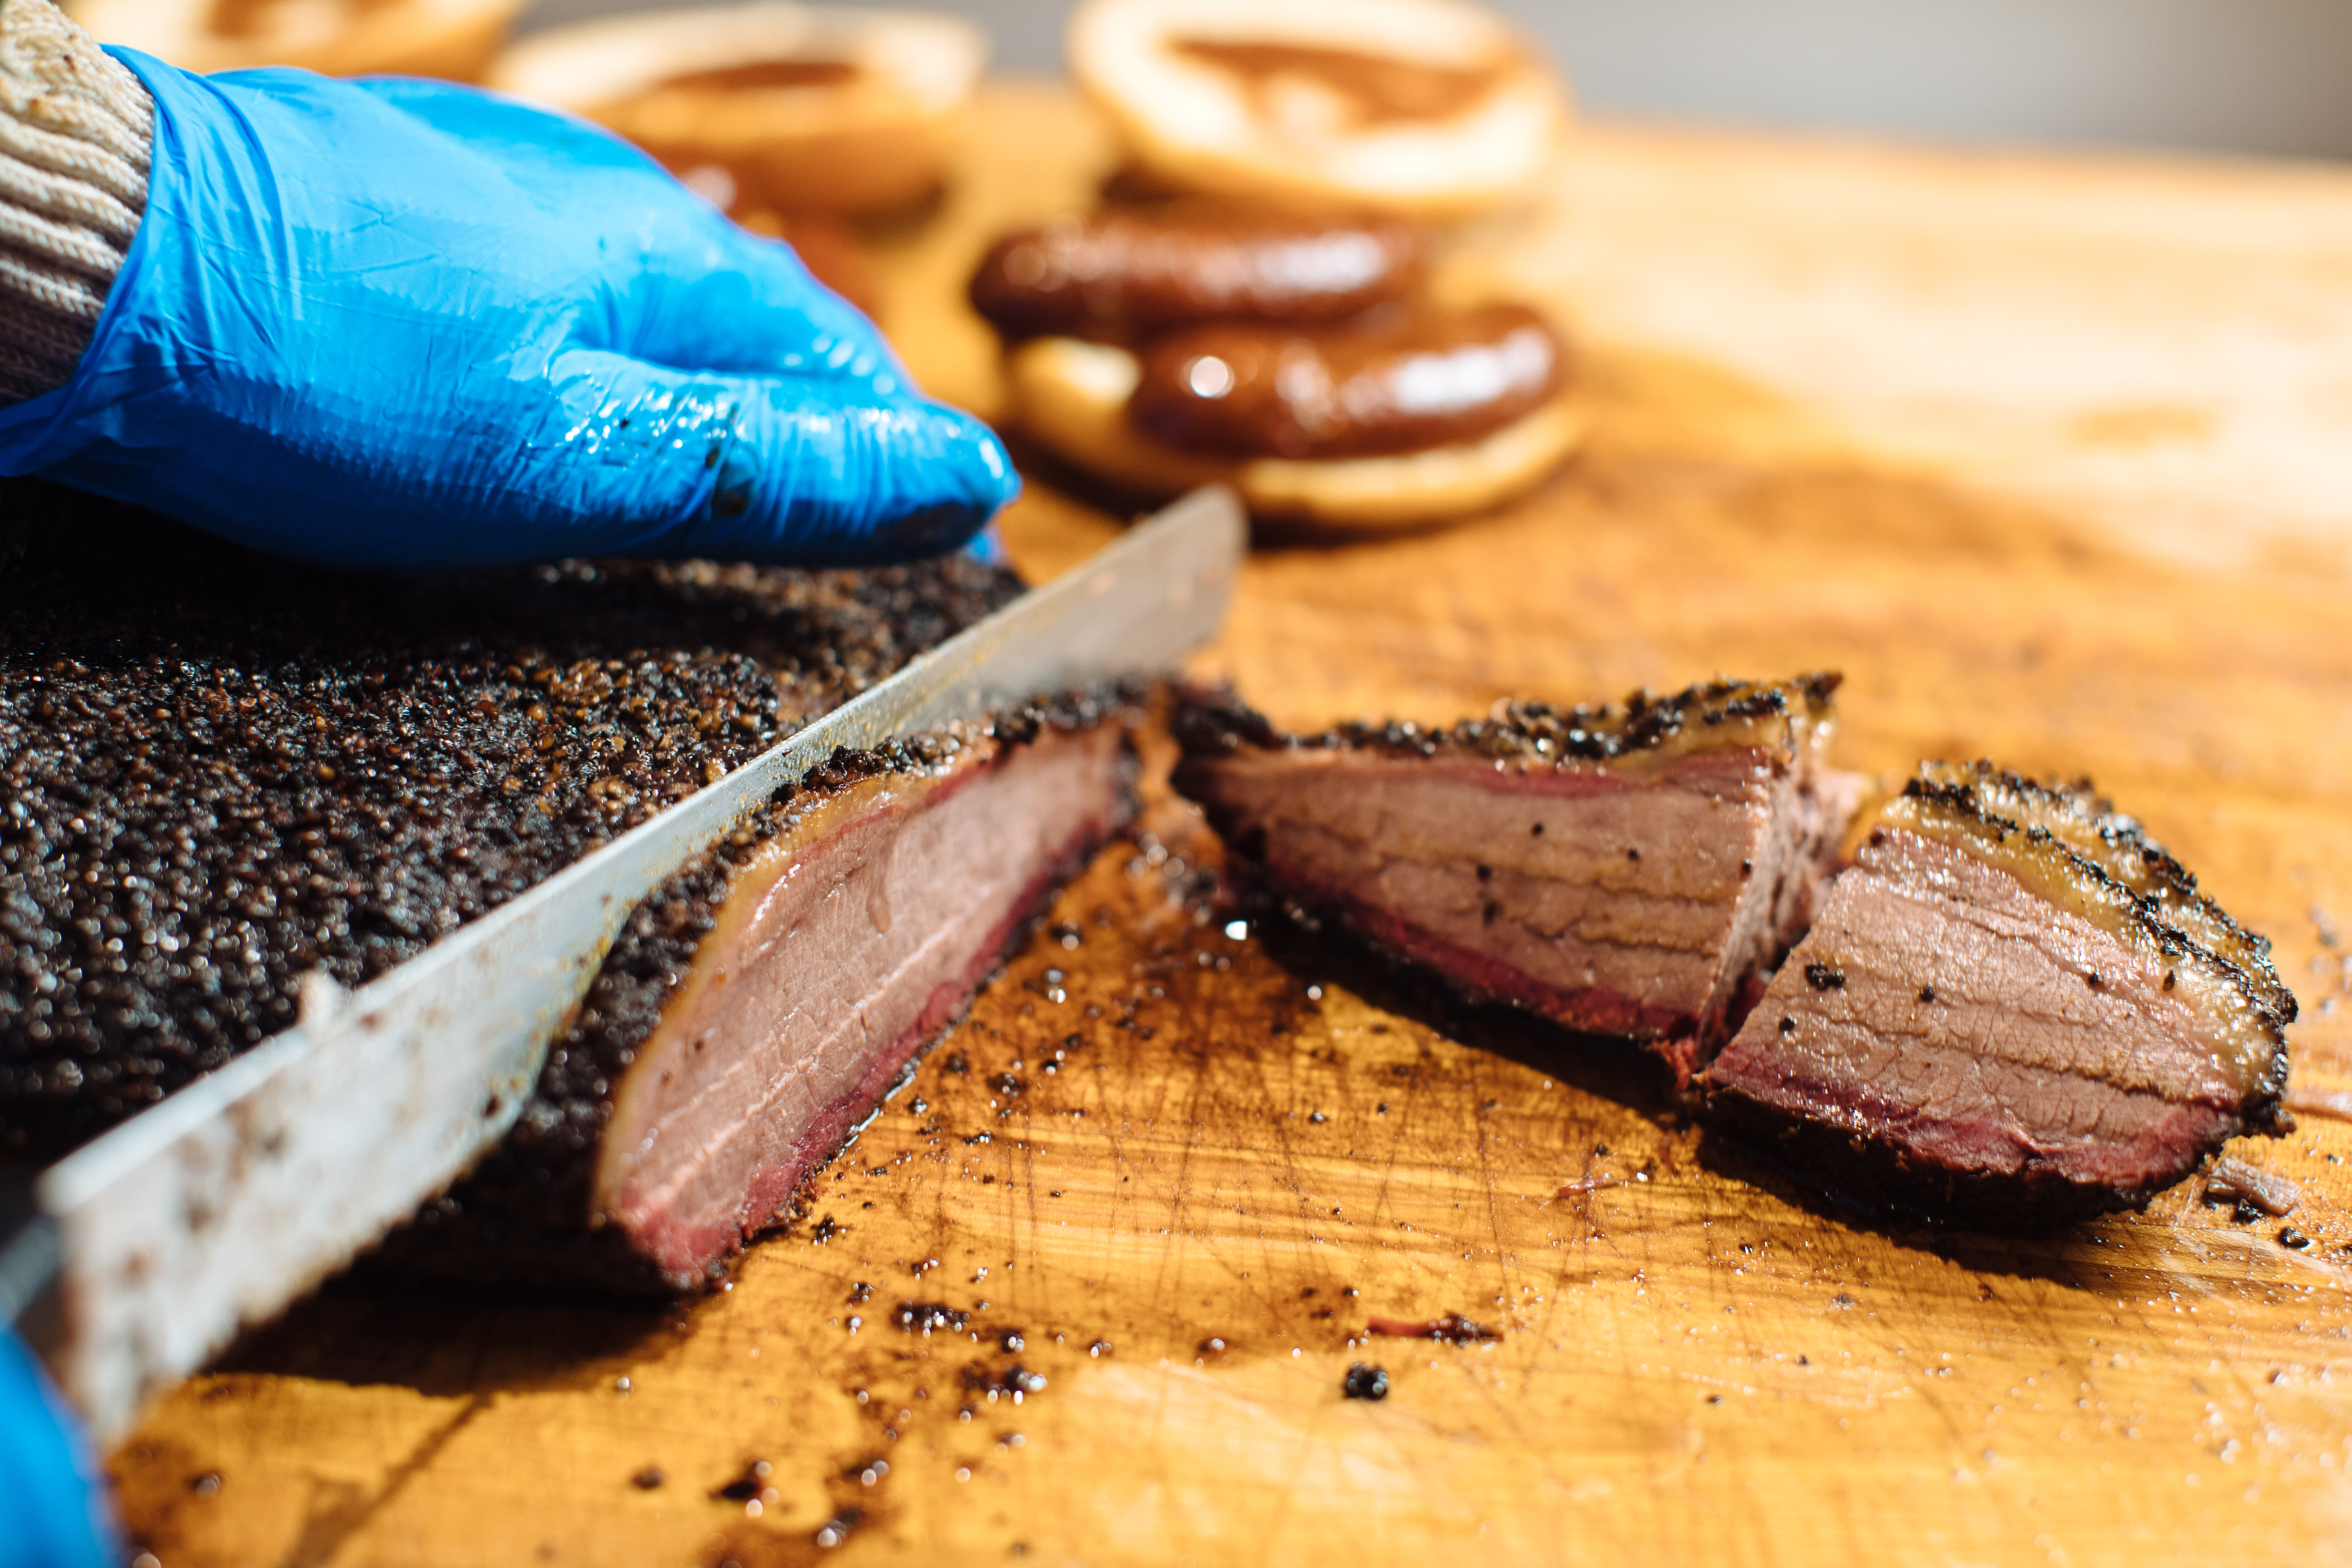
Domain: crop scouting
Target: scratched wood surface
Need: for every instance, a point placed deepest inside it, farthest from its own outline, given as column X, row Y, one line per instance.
column 1148, row 1201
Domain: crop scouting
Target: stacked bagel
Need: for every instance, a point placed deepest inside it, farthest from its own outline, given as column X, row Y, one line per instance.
column 1253, row 305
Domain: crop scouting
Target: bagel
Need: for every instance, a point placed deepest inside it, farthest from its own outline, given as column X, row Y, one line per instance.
column 1073, row 395
column 450, row 38
column 771, row 105
column 1430, row 108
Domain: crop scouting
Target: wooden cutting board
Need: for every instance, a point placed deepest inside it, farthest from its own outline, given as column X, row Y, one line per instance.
column 2052, row 460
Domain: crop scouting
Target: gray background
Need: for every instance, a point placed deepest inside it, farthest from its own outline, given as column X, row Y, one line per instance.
column 2247, row 76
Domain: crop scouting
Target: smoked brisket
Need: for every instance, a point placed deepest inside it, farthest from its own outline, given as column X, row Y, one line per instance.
column 223, row 772
column 2015, row 1006
column 1625, row 870
column 758, row 1004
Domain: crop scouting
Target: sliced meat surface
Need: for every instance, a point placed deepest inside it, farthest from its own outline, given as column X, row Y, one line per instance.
column 2013, row 1004
column 758, row 1007
column 1625, row 870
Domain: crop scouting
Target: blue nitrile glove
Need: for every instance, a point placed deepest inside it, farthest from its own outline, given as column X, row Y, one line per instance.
column 49, row 1497
column 408, row 325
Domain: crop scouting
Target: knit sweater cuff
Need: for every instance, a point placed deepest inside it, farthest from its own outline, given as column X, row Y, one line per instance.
column 77, row 129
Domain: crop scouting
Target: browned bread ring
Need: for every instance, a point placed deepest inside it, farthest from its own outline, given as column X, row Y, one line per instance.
column 788, row 108
column 1071, row 398
column 1426, row 107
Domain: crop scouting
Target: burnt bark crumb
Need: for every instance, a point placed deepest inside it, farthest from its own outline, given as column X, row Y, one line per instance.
column 223, row 770
column 2254, row 1190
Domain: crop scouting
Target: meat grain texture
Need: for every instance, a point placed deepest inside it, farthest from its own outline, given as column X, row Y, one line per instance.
column 225, row 772
column 2012, row 1006
column 2015, row 1006
column 1628, row 869
column 758, row 1004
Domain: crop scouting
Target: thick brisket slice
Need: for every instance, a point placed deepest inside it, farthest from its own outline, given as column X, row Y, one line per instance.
column 222, row 771
column 2013, row 1004
column 757, row 1007
column 1624, row 870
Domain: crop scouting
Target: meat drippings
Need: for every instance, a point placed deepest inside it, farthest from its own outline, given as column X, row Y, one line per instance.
column 1400, row 382
column 1368, row 90
column 1124, row 272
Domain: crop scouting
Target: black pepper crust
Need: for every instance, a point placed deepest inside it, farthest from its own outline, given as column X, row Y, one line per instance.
column 2114, row 850
column 1524, row 730
column 223, row 771
column 525, row 1213
column 2080, row 830
column 2080, row 835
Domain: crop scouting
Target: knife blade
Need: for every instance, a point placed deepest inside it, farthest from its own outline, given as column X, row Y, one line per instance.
column 215, row 1208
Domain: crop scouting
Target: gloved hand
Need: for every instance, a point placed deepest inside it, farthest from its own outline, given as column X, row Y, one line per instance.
column 51, row 1503
column 402, row 324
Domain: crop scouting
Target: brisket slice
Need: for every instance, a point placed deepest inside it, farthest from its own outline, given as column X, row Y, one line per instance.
column 219, row 771
column 2013, row 1006
column 1627, row 870
column 760, row 1003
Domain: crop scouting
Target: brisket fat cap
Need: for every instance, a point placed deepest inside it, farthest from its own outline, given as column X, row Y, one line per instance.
column 1624, row 870
column 223, row 772
column 2015, row 1006
column 758, row 1004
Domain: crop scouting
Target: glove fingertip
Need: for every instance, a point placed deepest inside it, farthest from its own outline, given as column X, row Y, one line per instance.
column 973, row 480
column 980, row 457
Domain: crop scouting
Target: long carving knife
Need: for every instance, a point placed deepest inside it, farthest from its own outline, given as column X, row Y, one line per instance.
column 218, row 1206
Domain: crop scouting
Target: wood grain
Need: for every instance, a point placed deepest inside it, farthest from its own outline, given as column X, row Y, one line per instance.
column 1153, row 1134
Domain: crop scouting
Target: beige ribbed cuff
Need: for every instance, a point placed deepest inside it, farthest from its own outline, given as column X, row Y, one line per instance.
column 76, row 133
